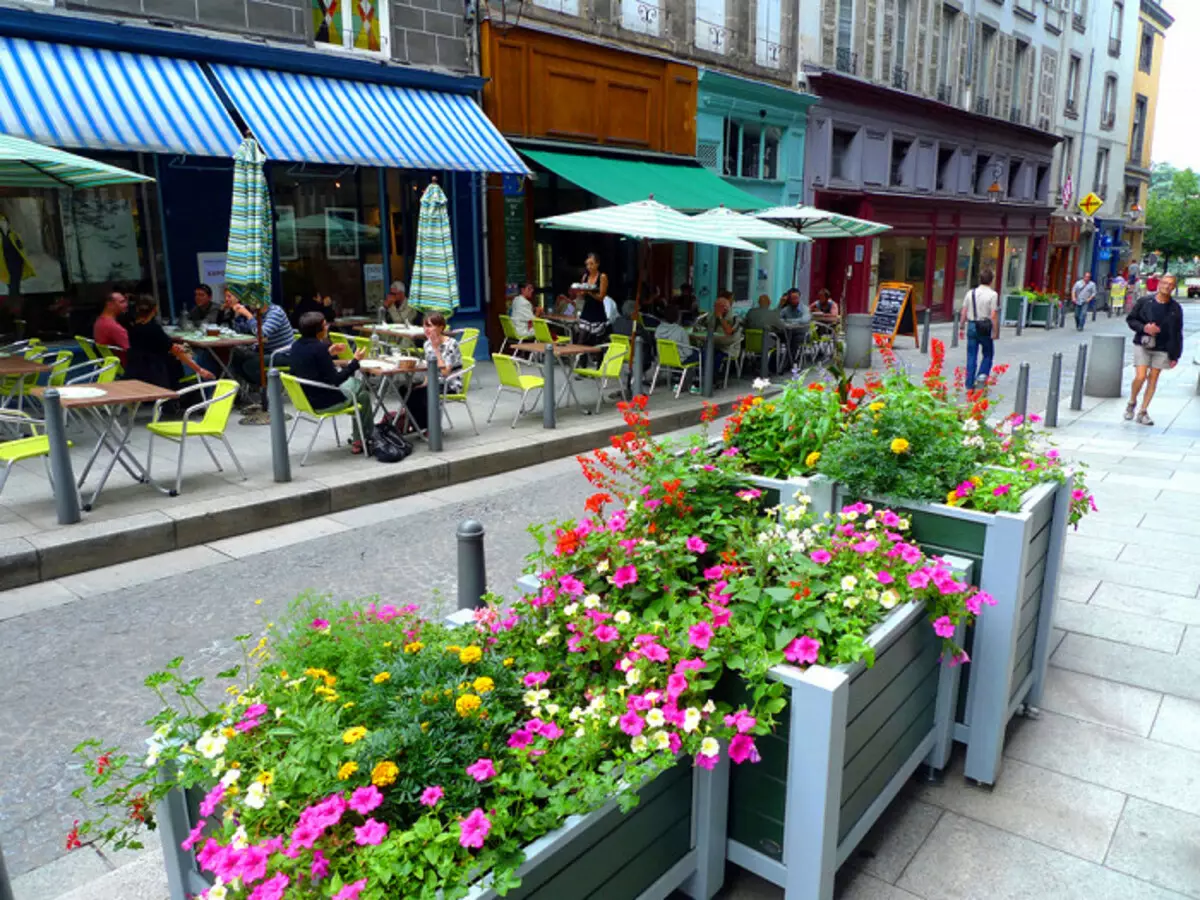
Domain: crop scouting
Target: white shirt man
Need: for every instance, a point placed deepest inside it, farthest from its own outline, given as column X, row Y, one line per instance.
column 522, row 311
column 1083, row 293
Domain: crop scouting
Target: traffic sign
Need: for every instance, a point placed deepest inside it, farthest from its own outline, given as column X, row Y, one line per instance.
column 1089, row 204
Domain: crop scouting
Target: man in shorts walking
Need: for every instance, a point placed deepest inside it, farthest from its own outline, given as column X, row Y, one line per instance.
column 1157, row 323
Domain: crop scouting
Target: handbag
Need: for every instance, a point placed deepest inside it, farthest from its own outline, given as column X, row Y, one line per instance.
column 983, row 327
column 390, row 445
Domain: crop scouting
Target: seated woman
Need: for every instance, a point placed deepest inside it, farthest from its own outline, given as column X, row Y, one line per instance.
column 440, row 350
column 312, row 359
column 152, row 356
column 824, row 305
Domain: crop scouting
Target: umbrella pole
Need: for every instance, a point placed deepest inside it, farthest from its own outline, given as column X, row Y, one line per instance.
column 635, row 341
column 262, row 356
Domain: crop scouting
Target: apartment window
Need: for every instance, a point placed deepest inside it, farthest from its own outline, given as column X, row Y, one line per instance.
column 949, row 24
column 839, row 162
column 1079, row 15
column 1042, row 187
column 361, row 26
column 1132, row 196
column 1146, row 53
column 1074, row 67
column 1137, row 133
column 1020, row 61
column 770, row 153
column 711, row 33
column 768, row 32
column 1067, row 158
column 946, row 169
column 1100, row 180
column 1108, row 104
column 981, row 164
column 845, row 35
column 751, row 150
column 1027, row 6
column 642, row 16
column 900, row 150
column 983, row 83
column 1115, row 24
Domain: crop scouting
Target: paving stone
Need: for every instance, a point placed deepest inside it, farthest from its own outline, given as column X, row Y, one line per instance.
column 1190, row 646
column 1177, row 580
column 1078, row 588
column 968, row 860
column 1113, row 759
column 75, row 870
column 856, row 885
column 893, row 841
column 1169, row 521
column 1159, row 845
column 33, row 597
column 142, row 879
column 1101, row 701
column 1150, row 603
column 281, row 536
column 1103, row 548
column 1178, row 723
column 1122, row 627
column 1168, row 674
column 123, row 575
column 373, row 514
column 1056, row 810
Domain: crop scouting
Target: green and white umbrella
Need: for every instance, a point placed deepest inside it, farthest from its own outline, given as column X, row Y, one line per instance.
column 434, row 276
column 649, row 220
column 748, row 227
column 251, row 231
column 819, row 223
column 30, row 165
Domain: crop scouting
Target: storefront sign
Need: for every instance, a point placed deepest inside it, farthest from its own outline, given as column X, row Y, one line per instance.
column 211, row 267
column 893, row 312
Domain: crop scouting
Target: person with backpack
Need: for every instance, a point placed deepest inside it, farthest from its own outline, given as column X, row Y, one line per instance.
column 980, row 324
column 1157, row 324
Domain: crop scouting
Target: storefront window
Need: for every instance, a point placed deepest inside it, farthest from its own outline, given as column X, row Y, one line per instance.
column 751, row 144
column 986, row 256
column 1014, row 273
column 903, row 259
column 963, row 267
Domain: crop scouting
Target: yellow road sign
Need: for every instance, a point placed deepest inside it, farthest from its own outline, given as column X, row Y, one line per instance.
column 1089, row 204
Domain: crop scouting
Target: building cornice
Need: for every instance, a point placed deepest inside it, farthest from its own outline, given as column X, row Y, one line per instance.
column 1154, row 10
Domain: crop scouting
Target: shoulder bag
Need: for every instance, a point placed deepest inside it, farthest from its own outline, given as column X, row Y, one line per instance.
column 983, row 327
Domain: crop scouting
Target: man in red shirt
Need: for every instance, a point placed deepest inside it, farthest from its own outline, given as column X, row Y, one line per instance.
column 107, row 330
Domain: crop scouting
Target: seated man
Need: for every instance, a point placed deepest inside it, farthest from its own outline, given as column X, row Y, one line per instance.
column 399, row 310
column 793, row 310
column 153, row 357
column 108, row 331
column 205, row 312
column 311, row 358
column 522, row 311
column 276, row 334
column 767, row 320
column 824, row 306
column 724, row 327
column 671, row 330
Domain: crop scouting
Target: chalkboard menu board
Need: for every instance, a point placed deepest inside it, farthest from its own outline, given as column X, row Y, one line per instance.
column 514, row 240
column 893, row 312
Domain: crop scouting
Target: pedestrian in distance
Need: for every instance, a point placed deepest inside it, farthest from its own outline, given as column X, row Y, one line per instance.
column 1084, row 295
column 1157, row 323
column 980, row 325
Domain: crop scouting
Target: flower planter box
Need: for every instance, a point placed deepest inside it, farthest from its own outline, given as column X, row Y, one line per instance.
column 797, row 815
column 1014, row 310
column 1040, row 314
column 1018, row 557
column 782, row 491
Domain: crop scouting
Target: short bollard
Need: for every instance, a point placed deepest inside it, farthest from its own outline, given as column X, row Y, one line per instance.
column 1021, row 318
column 66, row 494
column 472, row 570
column 1052, row 394
column 1080, row 371
column 926, row 325
column 639, row 360
column 280, row 461
column 5, row 887
column 548, row 398
column 710, row 355
column 433, row 407
column 954, row 333
column 1021, row 404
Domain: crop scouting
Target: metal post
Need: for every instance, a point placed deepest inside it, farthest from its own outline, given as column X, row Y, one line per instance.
column 639, row 360
column 5, row 888
column 280, row 461
column 954, row 333
column 433, row 407
column 1052, row 396
column 764, row 370
column 1021, row 316
column 928, row 322
column 1022, row 401
column 548, row 396
column 66, row 494
column 710, row 355
column 1080, row 370
column 472, row 571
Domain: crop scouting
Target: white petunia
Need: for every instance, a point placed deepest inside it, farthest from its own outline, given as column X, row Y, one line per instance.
column 591, row 601
column 256, row 795
column 849, row 583
column 889, row 599
column 691, row 719
column 570, row 609
column 662, row 740
column 231, row 777
column 211, row 745
column 655, row 718
column 639, row 744
column 622, row 617
column 632, row 677
column 760, row 384
column 602, row 566
column 710, row 747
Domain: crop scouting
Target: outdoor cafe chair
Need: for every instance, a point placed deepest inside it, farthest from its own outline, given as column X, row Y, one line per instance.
column 304, row 410
column 753, row 347
column 337, row 337
column 22, row 448
column 216, row 412
column 669, row 358
column 542, row 333
column 508, row 370
column 468, row 353
column 615, row 355
column 88, row 346
column 511, row 335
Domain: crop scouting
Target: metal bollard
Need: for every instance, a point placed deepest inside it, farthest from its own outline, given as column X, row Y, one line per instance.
column 549, row 361
column 1021, row 318
column 1080, row 370
column 472, row 570
column 66, row 493
column 764, row 370
column 637, row 383
column 927, row 324
column 280, row 461
column 954, row 326
column 1052, row 395
column 5, row 887
column 710, row 355
column 433, row 407
column 1022, row 402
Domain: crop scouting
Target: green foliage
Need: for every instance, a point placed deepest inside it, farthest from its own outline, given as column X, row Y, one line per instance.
column 1173, row 217
column 778, row 436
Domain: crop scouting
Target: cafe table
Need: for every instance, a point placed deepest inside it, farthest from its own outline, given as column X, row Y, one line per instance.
column 381, row 372
column 220, row 347
column 18, row 368
column 568, row 357
column 111, row 412
column 351, row 321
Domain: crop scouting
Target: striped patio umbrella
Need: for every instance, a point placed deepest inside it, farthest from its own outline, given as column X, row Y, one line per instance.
column 434, row 277
column 819, row 223
column 748, row 227
column 649, row 220
column 251, row 231
column 27, row 164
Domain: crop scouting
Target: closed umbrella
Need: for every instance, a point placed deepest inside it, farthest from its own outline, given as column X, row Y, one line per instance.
column 434, row 277
column 27, row 164
column 248, row 259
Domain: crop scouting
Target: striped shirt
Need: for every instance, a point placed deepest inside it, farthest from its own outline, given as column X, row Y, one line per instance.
column 277, row 330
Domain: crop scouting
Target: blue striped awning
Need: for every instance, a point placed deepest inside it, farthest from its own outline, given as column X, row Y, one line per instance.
column 309, row 118
column 69, row 96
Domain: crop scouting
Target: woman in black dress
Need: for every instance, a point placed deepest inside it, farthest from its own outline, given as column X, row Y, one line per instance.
column 152, row 356
column 593, row 322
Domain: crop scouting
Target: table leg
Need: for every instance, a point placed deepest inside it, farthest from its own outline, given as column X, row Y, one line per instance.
column 568, row 364
column 121, row 454
column 102, row 428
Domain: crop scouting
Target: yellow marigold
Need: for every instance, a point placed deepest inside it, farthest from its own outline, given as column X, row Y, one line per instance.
column 382, row 677
column 467, row 704
column 876, row 406
column 899, row 445
column 316, row 673
column 387, row 645
column 283, row 673
column 425, row 726
column 267, row 778
column 758, row 401
column 453, row 648
column 508, row 661
column 414, row 647
column 951, row 498
column 384, row 774
column 228, row 733
column 354, row 735
column 346, row 769
column 975, row 480
column 471, row 654
column 483, row 684
column 349, row 704
column 812, row 458
column 770, row 407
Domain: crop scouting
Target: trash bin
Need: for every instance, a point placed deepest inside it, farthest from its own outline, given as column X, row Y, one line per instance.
column 1106, row 362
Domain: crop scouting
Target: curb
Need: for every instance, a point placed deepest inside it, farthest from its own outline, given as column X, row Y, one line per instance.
column 80, row 548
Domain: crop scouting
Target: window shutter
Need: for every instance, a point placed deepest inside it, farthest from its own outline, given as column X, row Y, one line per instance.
column 1028, row 101
column 870, row 40
column 935, row 50
column 1048, row 89
column 981, row 65
column 922, row 42
column 1005, row 48
column 887, row 40
column 829, row 11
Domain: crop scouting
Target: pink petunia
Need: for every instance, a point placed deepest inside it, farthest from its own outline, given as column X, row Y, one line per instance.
column 686, row 665
column 986, row 599
column 973, row 604
column 320, row 866
column 883, row 576
column 632, row 724
column 820, row 557
column 695, row 545
column 869, row 545
column 1002, row 490
column 720, row 615
column 482, row 769
column 351, row 891
column 713, row 572
column 193, row 837
column 656, row 653
column 889, row 518
column 606, row 634
column 741, row 748
column 271, row 889
column 320, row 624
column 918, row 580
column 473, row 830
column 371, row 833
column 651, row 505
column 572, row 586
column 432, row 795
column 741, row 720
column 700, row 635
column 520, row 739
column 366, row 799
column 533, row 679
column 625, row 576
column 676, row 685
column 209, row 804
column 706, row 762
column 803, row 650
column 749, row 494
column 943, row 627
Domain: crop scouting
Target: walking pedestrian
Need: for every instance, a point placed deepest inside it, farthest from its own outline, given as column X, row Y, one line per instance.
column 980, row 324
column 1084, row 295
column 1157, row 323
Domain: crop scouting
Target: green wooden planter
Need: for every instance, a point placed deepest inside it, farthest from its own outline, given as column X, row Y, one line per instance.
column 1039, row 314
column 1013, row 310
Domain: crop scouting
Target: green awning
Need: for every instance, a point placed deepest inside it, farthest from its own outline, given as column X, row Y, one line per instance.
column 685, row 187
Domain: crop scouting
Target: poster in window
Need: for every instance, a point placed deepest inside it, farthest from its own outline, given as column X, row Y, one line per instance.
column 285, row 233
column 100, row 237
column 365, row 23
column 341, row 232
column 28, row 263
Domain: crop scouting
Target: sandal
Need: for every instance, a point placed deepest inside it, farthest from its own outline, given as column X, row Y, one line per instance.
column 356, row 447
column 1130, row 410
column 1143, row 418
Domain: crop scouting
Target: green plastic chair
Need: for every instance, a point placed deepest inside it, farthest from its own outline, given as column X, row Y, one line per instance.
column 337, row 337
column 615, row 355
column 753, row 346
column 508, row 370
column 212, row 425
column 60, row 364
column 543, row 334
column 22, row 448
column 88, row 346
column 467, row 346
column 511, row 335
column 669, row 358
column 304, row 411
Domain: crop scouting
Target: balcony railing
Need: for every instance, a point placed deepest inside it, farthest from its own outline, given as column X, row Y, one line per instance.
column 1015, row 116
column 900, row 78
column 1077, row 22
column 983, row 106
column 945, row 94
column 1114, row 47
column 846, row 61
